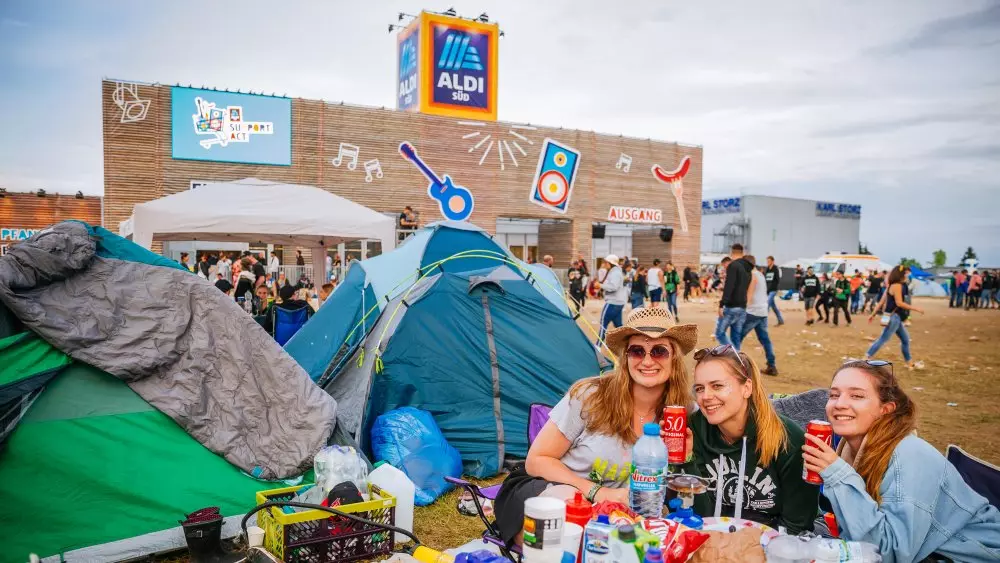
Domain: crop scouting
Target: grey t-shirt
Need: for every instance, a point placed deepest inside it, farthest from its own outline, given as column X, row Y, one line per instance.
column 600, row 458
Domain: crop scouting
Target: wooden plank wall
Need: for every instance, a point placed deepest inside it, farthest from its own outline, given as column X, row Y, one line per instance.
column 138, row 167
column 28, row 211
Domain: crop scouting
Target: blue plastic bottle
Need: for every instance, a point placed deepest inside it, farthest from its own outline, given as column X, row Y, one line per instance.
column 683, row 515
column 649, row 464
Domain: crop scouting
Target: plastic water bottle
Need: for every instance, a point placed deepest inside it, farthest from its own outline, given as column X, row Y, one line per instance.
column 649, row 463
column 793, row 549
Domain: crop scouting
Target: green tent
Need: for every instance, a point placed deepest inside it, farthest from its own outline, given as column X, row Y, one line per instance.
column 93, row 472
column 89, row 471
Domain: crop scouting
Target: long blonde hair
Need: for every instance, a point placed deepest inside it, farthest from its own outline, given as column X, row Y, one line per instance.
column 887, row 431
column 772, row 436
column 609, row 408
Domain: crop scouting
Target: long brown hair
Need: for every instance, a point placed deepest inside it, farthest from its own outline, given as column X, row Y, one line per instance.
column 772, row 436
column 887, row 431
column 609, row 408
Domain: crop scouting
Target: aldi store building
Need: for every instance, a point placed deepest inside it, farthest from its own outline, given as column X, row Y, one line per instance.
column 540, row 190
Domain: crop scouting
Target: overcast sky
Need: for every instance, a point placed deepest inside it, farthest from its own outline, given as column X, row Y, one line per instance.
column 891, row 104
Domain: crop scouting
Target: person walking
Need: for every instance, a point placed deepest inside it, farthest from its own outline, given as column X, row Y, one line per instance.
column 671, row 281
column 874, row 289
column 615, row 295
column 733, row 305
column 639, row 287
column 687, row 284
column 654, row 280
column 757, row 313
column 810, row 291
column 841, row 296
column 576, row 288
column 857, row 280
column 825, row 298
column 772, row 276
column 897, row 310
column 952, row 289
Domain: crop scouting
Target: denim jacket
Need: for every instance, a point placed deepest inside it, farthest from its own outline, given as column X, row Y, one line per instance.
column 926, row 508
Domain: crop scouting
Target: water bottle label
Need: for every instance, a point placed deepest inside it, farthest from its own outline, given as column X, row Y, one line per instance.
column 644, row 481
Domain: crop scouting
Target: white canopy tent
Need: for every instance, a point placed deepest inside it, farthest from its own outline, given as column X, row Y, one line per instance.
column 252, row 210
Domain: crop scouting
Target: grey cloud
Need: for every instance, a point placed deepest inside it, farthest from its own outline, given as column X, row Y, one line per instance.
column 989, row 151
column 976, row 115
column 949, row 32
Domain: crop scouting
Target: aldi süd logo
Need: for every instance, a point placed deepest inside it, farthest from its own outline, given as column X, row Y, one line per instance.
column 408, row 90
column 460, row 76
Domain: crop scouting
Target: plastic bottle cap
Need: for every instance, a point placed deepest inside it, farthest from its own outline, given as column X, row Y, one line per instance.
column 651, row 429
column 603, row 519
column 674, row 504
column 579, row 509
column 626, row 533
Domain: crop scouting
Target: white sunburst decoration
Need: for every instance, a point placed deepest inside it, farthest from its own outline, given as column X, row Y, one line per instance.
column 510, row 144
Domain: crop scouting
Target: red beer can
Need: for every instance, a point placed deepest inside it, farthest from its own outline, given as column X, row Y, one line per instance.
column 822, row 430
column 675, row 424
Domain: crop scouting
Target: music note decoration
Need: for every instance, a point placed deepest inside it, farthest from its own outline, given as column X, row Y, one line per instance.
column 675, row 179
column 624, row 163
column 553, row 184
column 455, row 202
column 351, row 152
column 370, row 167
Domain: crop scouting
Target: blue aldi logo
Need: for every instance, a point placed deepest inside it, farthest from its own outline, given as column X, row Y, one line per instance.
column 408, row 91
column 460, row 74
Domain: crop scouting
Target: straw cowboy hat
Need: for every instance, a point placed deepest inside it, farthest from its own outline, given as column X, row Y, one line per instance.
column 654, row 323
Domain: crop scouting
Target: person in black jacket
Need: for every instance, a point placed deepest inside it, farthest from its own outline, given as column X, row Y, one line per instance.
column 825, row 298
column 733, row 306
column 773, row 276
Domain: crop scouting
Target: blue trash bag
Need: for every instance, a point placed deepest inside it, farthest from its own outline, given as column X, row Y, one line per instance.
column 410, row 440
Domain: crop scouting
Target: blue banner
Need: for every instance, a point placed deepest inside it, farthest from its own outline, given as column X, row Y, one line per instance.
column 718, row 206
column 407, row 91
column 226, row 127
column 844, row 210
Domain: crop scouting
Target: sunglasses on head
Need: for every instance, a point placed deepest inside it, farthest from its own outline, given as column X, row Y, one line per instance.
column 718, row 351
column 871, row 363
column 658, row 352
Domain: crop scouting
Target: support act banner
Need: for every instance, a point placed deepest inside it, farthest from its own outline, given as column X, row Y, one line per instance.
column 228, row 127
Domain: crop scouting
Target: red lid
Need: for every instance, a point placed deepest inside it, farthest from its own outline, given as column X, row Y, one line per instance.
column 579, row 509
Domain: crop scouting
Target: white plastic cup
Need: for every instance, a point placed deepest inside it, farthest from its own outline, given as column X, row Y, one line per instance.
column 572, row 538
column 255, row 536
column 544, row 518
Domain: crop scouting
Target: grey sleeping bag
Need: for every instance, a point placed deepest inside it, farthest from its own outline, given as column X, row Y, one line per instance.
column 179, row 342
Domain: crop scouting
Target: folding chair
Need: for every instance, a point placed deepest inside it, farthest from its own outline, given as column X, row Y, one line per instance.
column 538, row 415
column 983, row 477
column 287, row 322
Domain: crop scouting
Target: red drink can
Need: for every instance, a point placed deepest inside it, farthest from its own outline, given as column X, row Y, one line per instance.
column 822, row 430
column 675, row 423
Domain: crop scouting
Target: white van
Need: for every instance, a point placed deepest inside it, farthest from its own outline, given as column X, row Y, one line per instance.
column 847, row 263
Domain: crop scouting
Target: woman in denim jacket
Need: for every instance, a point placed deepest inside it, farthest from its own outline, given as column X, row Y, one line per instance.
column 887, row 486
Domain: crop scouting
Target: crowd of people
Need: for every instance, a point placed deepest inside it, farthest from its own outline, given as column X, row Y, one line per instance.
column 264, row 289
column 978, row 290
column 881, row 482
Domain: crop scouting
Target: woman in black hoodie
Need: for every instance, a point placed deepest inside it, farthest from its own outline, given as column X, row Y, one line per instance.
column 735, row 418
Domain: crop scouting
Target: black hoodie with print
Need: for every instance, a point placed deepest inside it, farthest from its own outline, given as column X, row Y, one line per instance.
column 775, row 495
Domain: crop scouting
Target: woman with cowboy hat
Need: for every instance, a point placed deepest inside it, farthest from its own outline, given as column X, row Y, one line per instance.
column 735, row 422
column 587, row 443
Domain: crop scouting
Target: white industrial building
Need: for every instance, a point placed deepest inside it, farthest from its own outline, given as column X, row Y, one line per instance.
column 786, row 228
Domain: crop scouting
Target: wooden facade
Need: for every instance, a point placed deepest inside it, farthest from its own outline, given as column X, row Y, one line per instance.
column 28, row 211
column 138, row 167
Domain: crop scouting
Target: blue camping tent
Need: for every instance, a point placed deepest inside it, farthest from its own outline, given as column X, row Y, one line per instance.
column 451, row 323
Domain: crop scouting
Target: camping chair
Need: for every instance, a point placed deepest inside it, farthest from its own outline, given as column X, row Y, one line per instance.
column 538, row 415
column 288, row 322
column 983, row 477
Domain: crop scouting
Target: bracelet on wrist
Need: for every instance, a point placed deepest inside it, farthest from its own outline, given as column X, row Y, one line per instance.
column 592, row 493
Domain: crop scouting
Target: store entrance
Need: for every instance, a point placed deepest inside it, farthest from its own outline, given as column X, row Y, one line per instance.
column 520, row 236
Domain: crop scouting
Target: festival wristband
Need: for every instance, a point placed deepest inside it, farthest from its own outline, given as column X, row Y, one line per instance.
column 592, row 493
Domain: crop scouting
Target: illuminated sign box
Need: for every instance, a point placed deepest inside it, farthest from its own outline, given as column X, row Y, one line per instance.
column 228, row 127
column 448, row 66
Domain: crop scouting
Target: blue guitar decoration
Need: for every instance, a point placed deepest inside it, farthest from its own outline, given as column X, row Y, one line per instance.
column 455, row 202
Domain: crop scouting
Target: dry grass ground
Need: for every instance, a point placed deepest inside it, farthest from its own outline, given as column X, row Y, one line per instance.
column 962, row 364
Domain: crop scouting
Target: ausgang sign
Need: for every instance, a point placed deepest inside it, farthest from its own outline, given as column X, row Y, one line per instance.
column 635, row 215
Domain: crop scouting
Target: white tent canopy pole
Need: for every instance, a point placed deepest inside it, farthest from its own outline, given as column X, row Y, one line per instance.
column 252, row 210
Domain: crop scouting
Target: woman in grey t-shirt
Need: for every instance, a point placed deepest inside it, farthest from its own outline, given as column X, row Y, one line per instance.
column 586, row 444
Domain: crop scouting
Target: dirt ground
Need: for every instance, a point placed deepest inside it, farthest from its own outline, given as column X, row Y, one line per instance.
column 961, row 365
